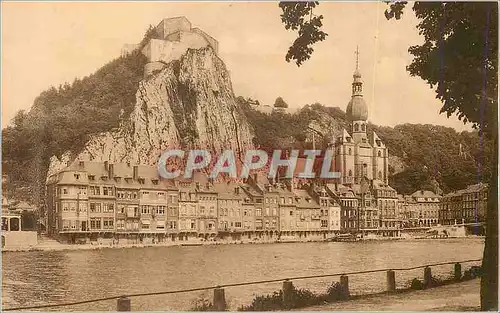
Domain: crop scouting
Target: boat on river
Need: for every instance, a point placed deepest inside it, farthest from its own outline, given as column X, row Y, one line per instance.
column 343, row 238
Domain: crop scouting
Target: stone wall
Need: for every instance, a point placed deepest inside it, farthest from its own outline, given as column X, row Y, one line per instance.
column 19, row 239
column 171, row 25
column 167, row 51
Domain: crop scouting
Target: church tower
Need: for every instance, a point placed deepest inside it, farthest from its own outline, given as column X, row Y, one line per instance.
column 357, row 110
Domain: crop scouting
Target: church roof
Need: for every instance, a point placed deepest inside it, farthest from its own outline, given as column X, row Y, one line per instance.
column 357, row 110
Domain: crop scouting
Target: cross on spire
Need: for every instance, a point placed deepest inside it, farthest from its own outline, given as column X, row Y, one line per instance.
column 357, row 57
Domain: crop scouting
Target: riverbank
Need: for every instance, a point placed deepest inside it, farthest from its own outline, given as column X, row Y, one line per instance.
column 53, row 245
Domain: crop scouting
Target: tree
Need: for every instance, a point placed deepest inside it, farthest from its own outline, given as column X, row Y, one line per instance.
column 280, row 103
column 459, row 57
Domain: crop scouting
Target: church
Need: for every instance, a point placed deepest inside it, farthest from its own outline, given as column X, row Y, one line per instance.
column 357, row 153
column 363, row 161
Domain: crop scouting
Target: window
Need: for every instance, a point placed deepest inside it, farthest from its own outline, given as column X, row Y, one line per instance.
column 95, row 223
column 379, row 154
column 350, row 173
column 172, row 225
column 160, row 210
column 120, row 224
column 145, row 209
column 363, row 127
column 65, row 191
column 291, row 213
column 108, row 207
column 107, row 191
column 95, row 190
column 107, row 224
column 92, row 207
column 83, row 207
column 356, row 127
column 350, row 151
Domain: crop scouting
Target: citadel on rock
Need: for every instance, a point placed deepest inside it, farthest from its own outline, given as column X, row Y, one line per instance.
column 122, row 202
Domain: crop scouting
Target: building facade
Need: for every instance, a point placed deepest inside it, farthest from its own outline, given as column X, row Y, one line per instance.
column 464, row 206
column 425, row 205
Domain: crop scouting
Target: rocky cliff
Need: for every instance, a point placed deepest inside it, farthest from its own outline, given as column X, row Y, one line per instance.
column 189, row 103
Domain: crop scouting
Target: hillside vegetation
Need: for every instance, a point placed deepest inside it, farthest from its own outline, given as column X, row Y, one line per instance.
column 428, row 152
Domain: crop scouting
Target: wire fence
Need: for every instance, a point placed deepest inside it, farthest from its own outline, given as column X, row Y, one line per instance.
column 179, row 291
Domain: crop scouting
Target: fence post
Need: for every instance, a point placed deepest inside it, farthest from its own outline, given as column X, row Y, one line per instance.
column 219, row 299
column 458, row 271
column 391, row 281
column 288, row 294
column 427, row 277
column 123, row 304
column 344, row 286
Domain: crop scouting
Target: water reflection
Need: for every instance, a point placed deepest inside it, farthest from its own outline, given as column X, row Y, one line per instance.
column 48, row 277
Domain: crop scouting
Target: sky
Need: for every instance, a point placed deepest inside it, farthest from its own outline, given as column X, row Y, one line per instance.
column 47, row 44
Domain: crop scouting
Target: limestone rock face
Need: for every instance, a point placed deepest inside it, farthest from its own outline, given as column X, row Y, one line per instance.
column 187, row 104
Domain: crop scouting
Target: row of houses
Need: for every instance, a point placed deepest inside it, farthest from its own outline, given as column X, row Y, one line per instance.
column 464, row 206
column 92, row 199
column 102, row 199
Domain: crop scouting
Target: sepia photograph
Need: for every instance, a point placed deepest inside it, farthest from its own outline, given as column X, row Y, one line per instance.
column 249, row 156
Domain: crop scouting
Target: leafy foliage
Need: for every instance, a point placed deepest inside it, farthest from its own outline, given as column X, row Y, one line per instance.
column 280, row 103
column 299, row 16
column 300, row 298
column 465, row 75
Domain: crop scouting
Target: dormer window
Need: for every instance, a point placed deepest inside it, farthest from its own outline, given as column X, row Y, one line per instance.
column 104, row 178
column 377, row 141
column 141, row 181
column 77, row 176
column 91, row 177
column 117, row 179
column 348, row 139
column 154, row 181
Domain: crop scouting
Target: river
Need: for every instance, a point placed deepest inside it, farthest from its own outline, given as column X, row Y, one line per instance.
column 32, row 278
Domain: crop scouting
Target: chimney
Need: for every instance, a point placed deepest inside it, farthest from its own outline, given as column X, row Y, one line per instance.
column 254, row 178
column 106, row 164
column 136, row 172
column 237, row 190
column 111, row 170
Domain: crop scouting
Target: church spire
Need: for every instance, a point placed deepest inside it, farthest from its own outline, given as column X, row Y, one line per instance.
column 357, row 58
column 357, row 84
